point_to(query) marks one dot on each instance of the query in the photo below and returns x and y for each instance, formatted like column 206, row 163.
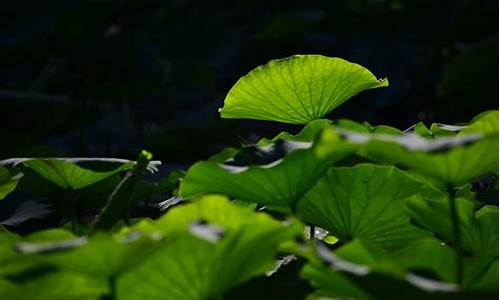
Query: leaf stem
column 312, row 231
column 121, row 199
column 70, row 199
column 312, row 239
column 456, row 233
column 112, row 286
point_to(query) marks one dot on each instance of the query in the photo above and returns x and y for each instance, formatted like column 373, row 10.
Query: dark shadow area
column 107, row 78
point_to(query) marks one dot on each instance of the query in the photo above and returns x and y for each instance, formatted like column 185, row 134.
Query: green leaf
column 60, row 285
column 421, row 130
column 11, row 258
column 453, row 160
column 427, row 256
column 342, row 279
column 444, row 130
column 430, row 256
column 68, row 175
column 297, row 89
column 203, row 260
column 481, row 273
column 307, row 134
column 8, row 183
column 122, row 198
column 366, row 202
column 225, row 154
column 101, row 255
column 484, row 123
column 331, row 284
column 478, row 229
column 8, row 256
column 366, row 127
column 280, row 182
column 212, row 209
column 360, row 271
column 7, row 289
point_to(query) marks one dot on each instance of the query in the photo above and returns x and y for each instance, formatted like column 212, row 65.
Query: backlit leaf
column 297, row 89
column 213, row 246
column 453, row 160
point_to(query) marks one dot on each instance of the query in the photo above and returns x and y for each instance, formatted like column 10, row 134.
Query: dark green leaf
column 68, row 175
column 279, row 183
column 365, row 202
column 478, row 229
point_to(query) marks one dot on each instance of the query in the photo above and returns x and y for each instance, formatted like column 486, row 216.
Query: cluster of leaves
column 390, row 213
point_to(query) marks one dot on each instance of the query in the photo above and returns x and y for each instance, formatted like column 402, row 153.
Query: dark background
column 107, row 78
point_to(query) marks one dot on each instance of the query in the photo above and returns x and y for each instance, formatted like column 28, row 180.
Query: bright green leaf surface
column 421, row 130
column 214, row 210
column 366, row 202
column 453, row 160
column 234, row 245
column 485, row 123
column 60, row 285
column 297, row 89
column 196, row 251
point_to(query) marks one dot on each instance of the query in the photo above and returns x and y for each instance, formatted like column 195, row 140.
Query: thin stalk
column 121, row 199
column 111, row 295
column 73, row 222
column 312, row 239
column 112, row 287
column 69, row 199
column 456, row 233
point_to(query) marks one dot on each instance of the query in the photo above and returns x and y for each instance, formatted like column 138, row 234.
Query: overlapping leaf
column 360, row 271
column 31, row 277
column 453, row 160
column 227, row 245
column 429, row 257
column 485, row 123
column 365, row 202
column 478, row 229
column 279, row 182
column 307, row 134
column 297, row 89
column 100, row 255
column 56, row 285
column 196, row 251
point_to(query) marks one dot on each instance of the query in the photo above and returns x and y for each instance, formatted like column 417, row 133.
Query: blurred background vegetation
column 107, row 78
